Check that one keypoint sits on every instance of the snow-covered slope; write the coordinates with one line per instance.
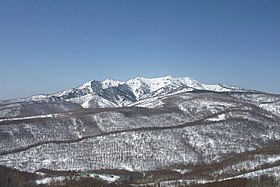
(190, 130)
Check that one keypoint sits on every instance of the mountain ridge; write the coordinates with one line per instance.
(115, 93)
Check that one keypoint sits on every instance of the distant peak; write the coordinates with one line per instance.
(86, 85)
(111, 83)
(138, 78)
(168, 77)
(108, 79)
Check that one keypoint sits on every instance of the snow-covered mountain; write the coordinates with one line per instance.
(165, 128)
(113, 93)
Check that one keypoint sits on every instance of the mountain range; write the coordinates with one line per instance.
(144, 131)
(113, 93)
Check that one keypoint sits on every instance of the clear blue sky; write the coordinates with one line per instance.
(51, 45)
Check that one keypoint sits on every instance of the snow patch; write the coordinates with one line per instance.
(109, 178)
(29, 117)
(218, 118)
(182, 171)
(49, 180)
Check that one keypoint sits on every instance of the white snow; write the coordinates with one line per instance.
(48, 180)
(142, 87)
(273, 159)
(40, 173)
(126, 167)
(218, 118)
(29, 117)
(109, 178)
(217, 88)
(158, 83)
(44, 181)
(182, 171)
(94, 101)
(154, 84)
(111, 83)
